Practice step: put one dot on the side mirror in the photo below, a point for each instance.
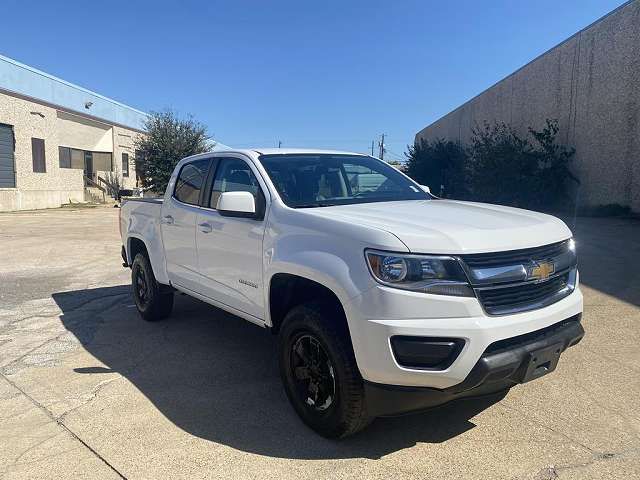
(237, 204)
(425, 188)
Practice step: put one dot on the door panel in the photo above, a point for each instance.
(178, 220)
(230, 248)
(230, 260)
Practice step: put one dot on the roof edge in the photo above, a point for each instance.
(68, 84)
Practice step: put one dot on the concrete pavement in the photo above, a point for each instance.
(89, 390)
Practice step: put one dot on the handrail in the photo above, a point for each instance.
(112, 190)
(96, 185)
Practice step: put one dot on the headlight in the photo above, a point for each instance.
(420, 273)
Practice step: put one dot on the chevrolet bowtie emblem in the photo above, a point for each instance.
(541, 270)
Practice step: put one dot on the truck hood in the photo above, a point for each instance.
(453, 227)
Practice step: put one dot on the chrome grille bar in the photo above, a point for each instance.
(505, 282)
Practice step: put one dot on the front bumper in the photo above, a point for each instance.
(503, 364)
(380, 313)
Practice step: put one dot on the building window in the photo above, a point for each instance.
(125, 164)
(37, 154)
(64, 156)
(102, 162)
(77, 158)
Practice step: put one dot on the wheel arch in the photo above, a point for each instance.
(288, 290)
(137, 244)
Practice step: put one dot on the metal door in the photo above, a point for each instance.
(7, 159)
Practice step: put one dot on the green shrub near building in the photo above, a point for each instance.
(498, 166)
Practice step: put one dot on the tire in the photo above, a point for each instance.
(151, 298)
(328, 395)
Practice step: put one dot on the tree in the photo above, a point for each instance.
(440, 164)
(167, 140)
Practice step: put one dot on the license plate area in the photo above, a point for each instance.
(541, 362)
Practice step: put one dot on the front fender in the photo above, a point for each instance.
(342, 276)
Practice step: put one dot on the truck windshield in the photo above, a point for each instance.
(321, 180)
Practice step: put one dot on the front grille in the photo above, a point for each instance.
(524, 296)
(512, 257)
(504, 282)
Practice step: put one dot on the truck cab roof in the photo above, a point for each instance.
(253, 152)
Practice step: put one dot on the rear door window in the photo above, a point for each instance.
(191, 180)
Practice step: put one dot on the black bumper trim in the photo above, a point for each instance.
(502, 365)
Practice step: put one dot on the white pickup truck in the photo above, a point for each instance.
(385, 299)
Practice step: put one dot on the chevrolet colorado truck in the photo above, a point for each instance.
(385, 299)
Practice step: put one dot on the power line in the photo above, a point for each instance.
(395, 154)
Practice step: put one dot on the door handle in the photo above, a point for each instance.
(167, 220)
(205, 227)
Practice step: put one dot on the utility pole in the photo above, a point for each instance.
(382, 147)
(372, 146)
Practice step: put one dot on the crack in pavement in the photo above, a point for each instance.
(94, 394)
(59, 420)
(64, 427)
(68, 313)
(553, 472)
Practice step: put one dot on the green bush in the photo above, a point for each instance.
(441, 165)
(498, 166)
(529, 172)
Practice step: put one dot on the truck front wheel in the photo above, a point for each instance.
(319, 371)
(151, 301)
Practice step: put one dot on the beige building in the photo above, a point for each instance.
(60, 143)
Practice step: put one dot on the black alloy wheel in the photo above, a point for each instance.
(313, 372)
(153, 300)
(319, 372)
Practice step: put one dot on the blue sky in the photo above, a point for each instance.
(332, 74)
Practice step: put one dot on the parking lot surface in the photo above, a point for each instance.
(88, 389)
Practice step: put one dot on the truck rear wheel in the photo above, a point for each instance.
(151, 301)
(319, 372)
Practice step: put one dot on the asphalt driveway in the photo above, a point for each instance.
(89, 390)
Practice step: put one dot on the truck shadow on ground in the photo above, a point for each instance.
(215, 376)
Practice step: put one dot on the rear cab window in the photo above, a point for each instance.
(191, 180)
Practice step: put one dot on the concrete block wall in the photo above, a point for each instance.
(124, 142)
(591, 84)
(36, 190)
(58, 185)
